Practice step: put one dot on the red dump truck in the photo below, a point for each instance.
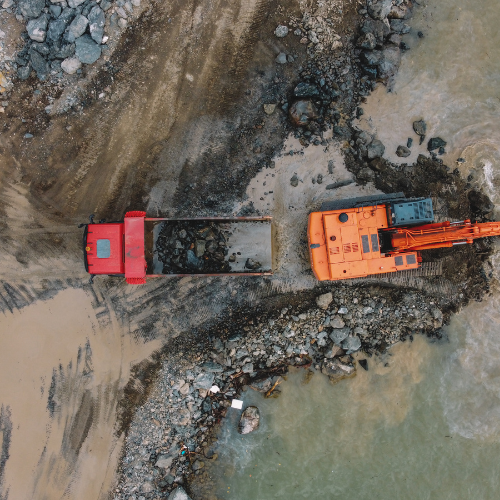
(140, 247)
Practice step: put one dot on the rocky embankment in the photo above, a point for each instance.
(172, 437)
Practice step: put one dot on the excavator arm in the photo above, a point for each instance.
(440, 235)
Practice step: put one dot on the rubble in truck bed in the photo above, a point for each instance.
(191, 247)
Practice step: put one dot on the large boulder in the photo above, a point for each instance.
(335, 370)
(378, 28)
(96, 24)
(59, 25)
(77, 28)
(389, 63)
(339, 334)
(375, 150)
(302, 112)
(379, 9)
(87, 50)
(323, 301)
(351, 344)
(204, 381)
(249, 420)
(40, 65)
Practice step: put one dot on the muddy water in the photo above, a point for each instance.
(425, 421)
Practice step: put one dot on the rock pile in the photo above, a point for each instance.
(63, 35)
(195, 247)
(183, 412)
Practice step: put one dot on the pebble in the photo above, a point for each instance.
(403, 151)
(281, 58)
(281, 31)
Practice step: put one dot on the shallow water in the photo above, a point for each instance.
(427, 425)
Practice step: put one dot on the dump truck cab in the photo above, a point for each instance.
(103, 248)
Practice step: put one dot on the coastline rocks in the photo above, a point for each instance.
(302, 112)
(336, 371)
(351, 344)
(339, 334)
(323, 301)
(77, 28)
(435, 143)
(249, 420)
(379, 9)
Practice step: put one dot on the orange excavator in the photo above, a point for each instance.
(373, 235)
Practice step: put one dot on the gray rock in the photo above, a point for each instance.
(367, 41)
(480, 202)
(281, 58)
(398, 26)
(379, 9)
(198, 465)
(252, 264)
(105, 5)
(351, 344)
(306, 90)
(210, 366)
(204, 381)
(420, 127)
(390, 62)
(323, 301)
(75, 3)
(302, 112)
(281, 31)
(88, 52)
(179, 494)
(31, 8)
(199, 248)
(40, 65)
(249, 420)
(23, 72)
(269, 108)
(247, 368)
(335, 370)
(435, 143)
(339, 334)
(71, 65)
(337, 322)
(375, 150)
(96, 24)
(64, 51)
(403, 151)
(294, 181)
(343, 310)
(147, 487)
(57, 27)
(164, 462)
(55, 11)
(378, 28)
(372, 57)
(77, 28)
(28, 136)
(37, 28)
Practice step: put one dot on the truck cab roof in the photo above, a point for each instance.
(104, 248)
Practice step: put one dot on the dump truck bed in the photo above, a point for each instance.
(208, 246)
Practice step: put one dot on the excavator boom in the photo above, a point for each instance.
(441, 235)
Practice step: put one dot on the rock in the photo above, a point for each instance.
(28, 136)
(323, 301)
(65, 51)
(247, 368)
(375, 150)
(337, 322)
(96, 24)
(210, 366)
(192, 262)
(343, 310)
(23, 72)
(409, 142)
(179, 494)
(335, 370)
(281, 58)
(55, 11)
(351, 344)
(399, 26)
(75, 3)
(390, 62)
(435, 143)
(399, 12)
(480, 202)
(339, 184)
(199, 248)
(204, 381)
(7, 4)
(339, 334)
(31, 8)
(420, 127)
(363, 363)
(87, 50)
(367, 41)
(198, 465)
(302, 112)
(266, 384)
(378, 28)
(294, 181)
(37, 28)
(77, 28)
(147, 487)
(281, 31)
(40, 65)
(403, 152)
(372, 57)
(333, 351)
(249, 421)
(379, 9)
(252, 264)
(71, 65)
(269, 108)
(306, 90)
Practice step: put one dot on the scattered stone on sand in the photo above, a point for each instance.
(420, 128)
(281, 31)
(249, 421)
(37, 28)
(179, 494)
(403, 151)
(435, 143)
(269, 108)
(363, 363)
(71, 65)
(87, 50)
(294, 181)
(375, 149)
(302, 112)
